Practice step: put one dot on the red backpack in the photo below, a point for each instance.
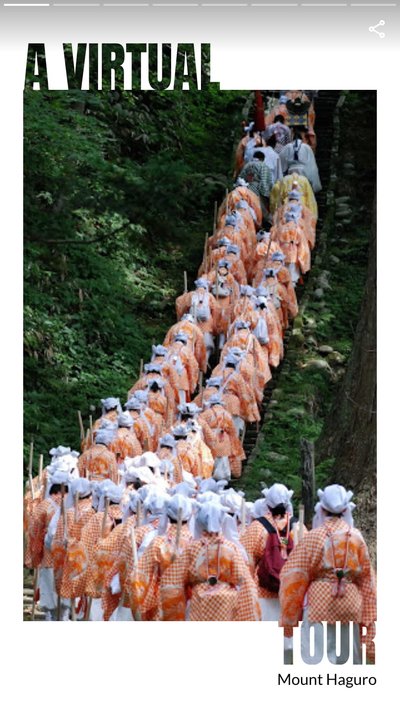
(271, 563)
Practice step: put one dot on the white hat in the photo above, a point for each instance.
(125, 420)
(176, 502)
(210, 517)
(336, 500)
(278, 494)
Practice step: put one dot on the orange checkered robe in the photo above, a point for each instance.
(234, 384)
(123, 563)
(183, 305)
(143, 430)
(204, 453)
(284, 278)
(242, 193)
(294, 245)
(153, 565)
(188, 457)
(195, 341)
(93, 539)
(37, 529)
(310, 569)
(276, 289)
(225, 443)
(99, 462)
(260, 257)
(168, 373)
(237, 235)
(237, 268)
(187, 380)
(254, 540)
(29, 505)
(232, 598)
(164, 404)
(307, 222)
(225, 304)
(246, 369)
(248, 342)
(274, 347)
(125, 444)
(70, 561)
(244, 310)
(166, 453)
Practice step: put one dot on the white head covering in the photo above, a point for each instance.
(82, 487)
(211, 485)
(260, 508)
(232, 500)
(125, 420)
(176, 502)
(105, 435)
(131, 505)
(109, 403)
(210, 517)
(59, 451)
(334, 499)
(279, 494)
(155, 504)
(112, 492)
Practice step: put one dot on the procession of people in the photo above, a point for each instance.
(143, 524)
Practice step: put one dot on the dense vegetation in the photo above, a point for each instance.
(119, 192)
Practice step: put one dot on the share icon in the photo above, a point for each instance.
(373, 28)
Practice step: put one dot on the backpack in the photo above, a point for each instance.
(271, 563)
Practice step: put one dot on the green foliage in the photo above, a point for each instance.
(119, 191)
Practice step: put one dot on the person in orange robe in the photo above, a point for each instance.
(147, 424)
(125, 442)
(69, 556)
(267, 244)
(41, 531)
(161, 394)
(330, 577)
(98, 462)
(152, 575)
(95, 538)
(226, 447)
(205, 581)
(243, 338)
(195, 338)
(244, 307)
(203, 306)
(276, 509)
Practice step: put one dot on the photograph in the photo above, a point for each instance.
(200, 359)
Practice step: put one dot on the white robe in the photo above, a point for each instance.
(305, 165)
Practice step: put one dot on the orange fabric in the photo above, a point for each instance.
(225, 443)
(310, 569)
(99, 463)
(195, 341)
(125, 444)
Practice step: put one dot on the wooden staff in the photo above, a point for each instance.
(206, 253)
(40, 474)
(30, 465)
(185, 282)
(201, 384)
(243, 434)
(141, 367)
(301, 522)
(91, 428)
(103, 525)
(73, 610)
(82, 431)
(64, 516)
(215, 216)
